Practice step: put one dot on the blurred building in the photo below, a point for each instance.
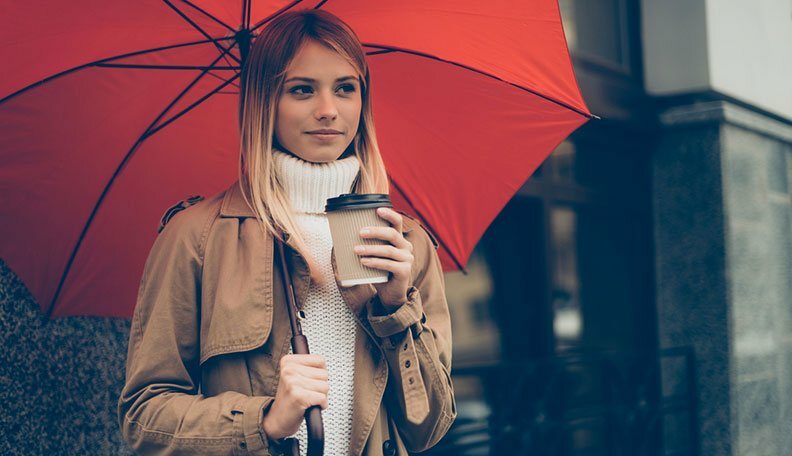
(635, 296)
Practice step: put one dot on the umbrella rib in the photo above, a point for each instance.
(274, 15)
(218, 77)
(428, 225)
(196, 26)
(281, 11)
(189, 108)
(246, 13)
(148, 132)
(188, 2)
(97, 62)
(164, 67)
(384, 51)
(429, 56)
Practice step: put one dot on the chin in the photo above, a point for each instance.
(314, 153)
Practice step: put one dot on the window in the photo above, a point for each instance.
(596, 30)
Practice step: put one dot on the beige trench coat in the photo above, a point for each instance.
(211, 325)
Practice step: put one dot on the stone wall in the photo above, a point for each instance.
(757, 176)
(59, 379)
(723, 244)
(691, 278)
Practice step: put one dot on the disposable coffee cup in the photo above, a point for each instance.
(347, 215)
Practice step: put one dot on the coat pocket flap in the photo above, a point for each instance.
(234, 326)
(236, 296)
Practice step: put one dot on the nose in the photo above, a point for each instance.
(326, 107)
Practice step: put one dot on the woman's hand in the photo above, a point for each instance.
(396, 258)
(303, 383)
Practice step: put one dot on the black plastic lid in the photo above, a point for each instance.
(352, 201)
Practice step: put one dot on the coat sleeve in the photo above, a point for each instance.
(416, 339)
(160, 410)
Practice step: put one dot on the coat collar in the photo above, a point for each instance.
(234, 204)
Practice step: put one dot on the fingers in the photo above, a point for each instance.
(311, 360)
(304, 380)
(384, 251)
(315, 373)
(396, 258)
(393, 217)
(387, 233)
(310, 398)
(306, 394)
(300, 386)
(399, 269)
(303, 383)
(308, 366)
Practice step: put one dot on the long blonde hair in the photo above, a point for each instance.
(261, 84)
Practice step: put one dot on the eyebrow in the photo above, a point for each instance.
(299, 78)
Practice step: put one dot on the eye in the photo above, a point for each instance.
(349, 87)
(296, 88)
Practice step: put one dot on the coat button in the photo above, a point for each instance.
(388, 448)
(407, 363)
(242, 445)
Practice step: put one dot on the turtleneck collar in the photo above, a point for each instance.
(308, 185)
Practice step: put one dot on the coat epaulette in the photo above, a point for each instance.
(180, 206)
(429, 232)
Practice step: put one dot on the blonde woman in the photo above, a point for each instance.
(210, 368)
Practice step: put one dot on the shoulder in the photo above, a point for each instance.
(191, 217)
(176, 208)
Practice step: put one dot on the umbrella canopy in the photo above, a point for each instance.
(110, 112)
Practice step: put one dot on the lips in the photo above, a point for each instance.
(324, 132)
(325, 137)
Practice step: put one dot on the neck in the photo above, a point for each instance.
(308, 185)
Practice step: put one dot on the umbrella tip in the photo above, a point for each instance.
(594, 116)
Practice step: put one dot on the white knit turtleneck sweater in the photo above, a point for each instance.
(329, 325)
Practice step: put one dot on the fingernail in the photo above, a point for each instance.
(358, 248)
(365, 231)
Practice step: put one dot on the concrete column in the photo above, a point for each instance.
(723, 242)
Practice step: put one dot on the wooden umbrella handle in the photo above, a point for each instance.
(313, 414)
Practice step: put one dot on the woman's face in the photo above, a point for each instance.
(321, 91)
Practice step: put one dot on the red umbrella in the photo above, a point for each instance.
(111, 112)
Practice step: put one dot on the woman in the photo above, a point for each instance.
(209, 367)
